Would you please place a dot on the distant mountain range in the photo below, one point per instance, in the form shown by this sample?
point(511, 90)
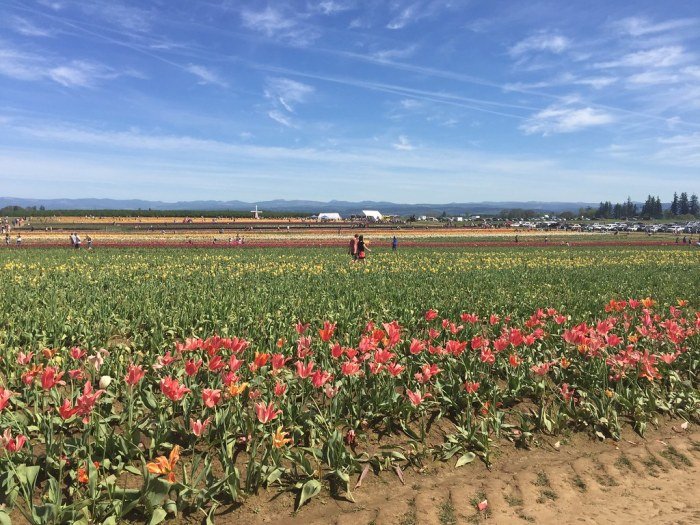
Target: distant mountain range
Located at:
point(299, 206)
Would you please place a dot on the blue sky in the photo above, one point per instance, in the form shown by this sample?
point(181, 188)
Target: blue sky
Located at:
point(406, 100)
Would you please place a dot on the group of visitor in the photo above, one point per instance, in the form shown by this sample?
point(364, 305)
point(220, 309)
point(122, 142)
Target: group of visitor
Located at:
point(358, 247)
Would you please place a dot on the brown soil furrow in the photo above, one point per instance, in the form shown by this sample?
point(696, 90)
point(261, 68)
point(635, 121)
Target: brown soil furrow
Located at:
point(585, 482)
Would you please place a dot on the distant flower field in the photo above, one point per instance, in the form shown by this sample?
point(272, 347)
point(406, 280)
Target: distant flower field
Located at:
point(142, 383)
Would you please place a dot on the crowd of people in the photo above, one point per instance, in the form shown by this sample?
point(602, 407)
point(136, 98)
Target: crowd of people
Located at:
point(76, 242)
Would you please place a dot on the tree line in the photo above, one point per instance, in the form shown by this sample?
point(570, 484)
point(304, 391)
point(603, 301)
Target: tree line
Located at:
point(652, 208)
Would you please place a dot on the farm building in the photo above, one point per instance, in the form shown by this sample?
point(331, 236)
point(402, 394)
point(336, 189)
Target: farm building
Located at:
point(372, 215)
point(329, 217)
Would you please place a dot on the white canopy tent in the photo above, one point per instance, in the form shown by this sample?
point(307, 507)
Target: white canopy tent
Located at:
point(329, 216)
point(373, 215)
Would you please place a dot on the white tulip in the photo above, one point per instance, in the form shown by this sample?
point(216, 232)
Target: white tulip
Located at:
point(105, 382)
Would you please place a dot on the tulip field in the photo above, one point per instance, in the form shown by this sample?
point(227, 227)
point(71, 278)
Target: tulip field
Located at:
point(146, 385)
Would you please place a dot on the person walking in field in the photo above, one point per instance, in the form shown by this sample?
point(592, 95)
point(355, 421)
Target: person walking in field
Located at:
point(362, 248)
point(394, 243)
point(353, 248)
point(18, 240)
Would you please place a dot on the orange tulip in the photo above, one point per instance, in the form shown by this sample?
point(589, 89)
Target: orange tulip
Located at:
point(83, 476)
point(278, 438)
point(165, 466)
point(236, 389)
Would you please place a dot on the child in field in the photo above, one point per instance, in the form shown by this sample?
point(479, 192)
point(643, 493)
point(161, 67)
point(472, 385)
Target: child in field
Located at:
point(362, 248)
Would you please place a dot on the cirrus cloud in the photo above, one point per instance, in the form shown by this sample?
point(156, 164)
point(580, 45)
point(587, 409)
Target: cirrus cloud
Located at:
point(565, 119)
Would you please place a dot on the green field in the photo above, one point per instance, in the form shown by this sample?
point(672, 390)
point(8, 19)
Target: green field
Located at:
point(142, 383)
point(151, 296)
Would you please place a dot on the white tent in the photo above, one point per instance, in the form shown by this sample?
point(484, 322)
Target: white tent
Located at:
point(328, 216)
point(373, 215)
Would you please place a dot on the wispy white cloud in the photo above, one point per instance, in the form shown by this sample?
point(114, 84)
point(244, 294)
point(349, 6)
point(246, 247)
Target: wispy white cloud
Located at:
point(269, 21)
point(331, 7)
point(155, 158)
point(683, 150)
point(288, 92)
point(206, 75)
point(541, 42)
point(396, 53)
point(410, 103)
point(664, 56)
point(22, 65)
point(565, 79)
point(285, 94)
point(640, 26)
point(406, 15)
point(565, 119)
point(653, 77)
point(281, 118)
point(56, 5)
point(80, 74)
point(274, 23)
point(119, 13)
point(26, 27)
point(403, 144)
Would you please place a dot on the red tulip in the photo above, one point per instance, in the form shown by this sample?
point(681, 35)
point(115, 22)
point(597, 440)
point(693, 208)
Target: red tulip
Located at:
point(304, 370)
point(173, 389)
point(134, 374)
point(487, 356)
point(192, 367)
point(66, 410)
point(51, 377)
point(211, 397)
point(198, 427)
point(350, 368)
point(280, 389)
point(395, 369)
point(416, 347)
point(471, 387)
point(416, 397)
point(469, 318)
point(327, 331)
point(76, 353)
point(12, 444)
point(24, 359)
point(278, 361)
point(266, 413)
point(320, 378)
point(5, 395)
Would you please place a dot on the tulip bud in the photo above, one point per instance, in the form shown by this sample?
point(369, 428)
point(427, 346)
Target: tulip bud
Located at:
point(105, 382)
point(350, 437)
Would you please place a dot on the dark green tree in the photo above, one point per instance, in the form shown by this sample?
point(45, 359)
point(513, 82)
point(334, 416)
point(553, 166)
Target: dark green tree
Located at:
point(674, 204)
point(683, 204)
point(694, 207)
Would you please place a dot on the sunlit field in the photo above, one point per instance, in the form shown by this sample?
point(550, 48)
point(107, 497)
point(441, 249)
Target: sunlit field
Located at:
point(141, 383)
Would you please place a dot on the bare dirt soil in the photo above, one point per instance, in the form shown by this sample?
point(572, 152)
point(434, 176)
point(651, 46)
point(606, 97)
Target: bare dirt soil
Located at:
point(655, 479)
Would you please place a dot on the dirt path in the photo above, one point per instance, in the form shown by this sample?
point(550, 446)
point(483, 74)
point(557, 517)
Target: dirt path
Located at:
point(653, 480)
